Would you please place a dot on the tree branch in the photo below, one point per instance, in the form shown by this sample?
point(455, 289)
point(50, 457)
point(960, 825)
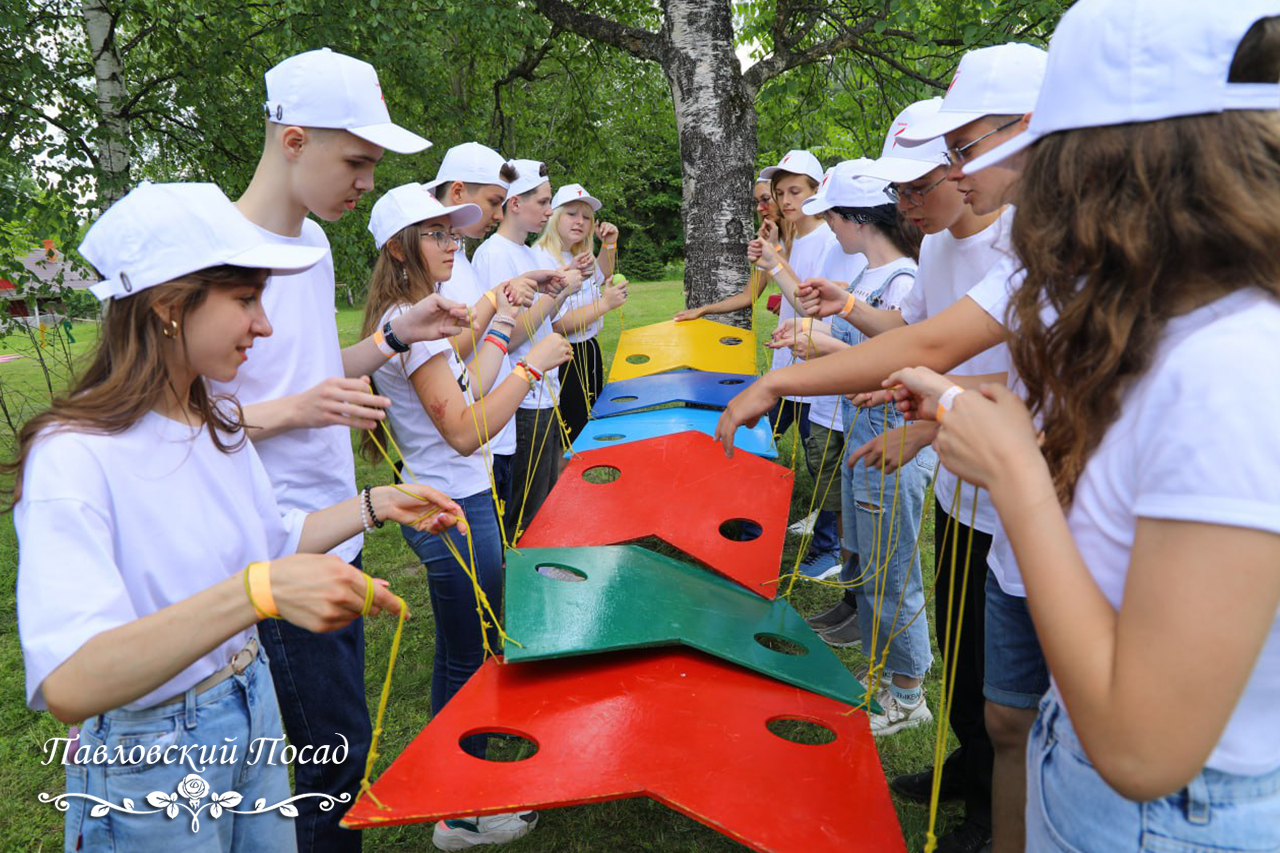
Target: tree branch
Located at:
point(784, 59)
point(635, 41)
point(523, 70)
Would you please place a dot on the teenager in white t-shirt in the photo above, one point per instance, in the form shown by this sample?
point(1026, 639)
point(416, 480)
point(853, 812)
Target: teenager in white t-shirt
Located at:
point(1119, 508)
point(327, 127)
point(472, 173)
point(569, 240)
point(505, 255)
point(150, 540)
point(796, 178)
point(435, 418)
point(766, 209)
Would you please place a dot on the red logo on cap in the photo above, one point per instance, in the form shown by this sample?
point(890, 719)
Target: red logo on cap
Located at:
point(380, 95)
point(825, 178)
point(579, 192)
point(899, 132)
point(785, 159)
point(953, 80)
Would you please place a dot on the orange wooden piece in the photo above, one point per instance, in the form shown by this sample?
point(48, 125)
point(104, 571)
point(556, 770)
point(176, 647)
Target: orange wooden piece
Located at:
point(673, 725)
point(682, 489)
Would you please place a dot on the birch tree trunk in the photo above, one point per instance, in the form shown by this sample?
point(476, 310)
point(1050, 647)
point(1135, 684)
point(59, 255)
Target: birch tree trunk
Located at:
point(112, 138)
point(716, 120)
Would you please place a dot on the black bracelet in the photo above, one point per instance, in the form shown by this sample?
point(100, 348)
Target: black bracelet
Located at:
point(392, 340)
point(368, 504)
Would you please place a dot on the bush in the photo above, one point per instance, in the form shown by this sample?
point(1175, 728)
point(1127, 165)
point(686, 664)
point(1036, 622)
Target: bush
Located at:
point(639, 259)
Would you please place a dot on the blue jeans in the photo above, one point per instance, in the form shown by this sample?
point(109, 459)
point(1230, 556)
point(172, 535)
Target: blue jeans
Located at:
point(459, 643)
point(784, 413)
point(1070, 808)
point(236, 712)
point(1016, 674)
point(320, 684)
point(885, 537)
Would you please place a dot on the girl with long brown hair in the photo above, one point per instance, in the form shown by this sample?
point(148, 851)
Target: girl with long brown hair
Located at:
point(1142, 502)
point(150, 540)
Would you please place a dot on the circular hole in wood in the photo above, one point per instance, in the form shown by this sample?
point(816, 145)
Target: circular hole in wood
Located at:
point(610, 436)
point(781, 645)
point(501, 745)
point(740, 530)
point(625, 398)
point(731, 340)
point(601, 474)
point(637, 358)
point(732, 381)
point(560, 573)
point(803, 732)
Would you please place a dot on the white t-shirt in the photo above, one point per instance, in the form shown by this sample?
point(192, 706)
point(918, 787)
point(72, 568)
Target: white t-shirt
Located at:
point(836, 266)
point(431, 458)
point(311, 469)
point(949, 268)
point(1160, 461)
point(112, 528)
point(590, 294)
point(807, 256)
point(499, 259)
point(464, 287)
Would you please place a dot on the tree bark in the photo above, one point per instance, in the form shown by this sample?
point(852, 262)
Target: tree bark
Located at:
point(716, 120)
point(112, 142)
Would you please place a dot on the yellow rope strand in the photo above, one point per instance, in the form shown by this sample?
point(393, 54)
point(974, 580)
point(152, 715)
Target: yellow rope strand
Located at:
point(372, 758)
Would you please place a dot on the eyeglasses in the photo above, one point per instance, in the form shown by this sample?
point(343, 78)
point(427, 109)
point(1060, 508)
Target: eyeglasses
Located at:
point(914, 197)
point(957, 156)
point(444, 239)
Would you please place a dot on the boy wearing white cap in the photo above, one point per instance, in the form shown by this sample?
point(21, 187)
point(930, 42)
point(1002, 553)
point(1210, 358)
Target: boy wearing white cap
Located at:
point(569, 239)
point(1155, 143)
point(327, 126)
point(503, 256)
point(152, 550)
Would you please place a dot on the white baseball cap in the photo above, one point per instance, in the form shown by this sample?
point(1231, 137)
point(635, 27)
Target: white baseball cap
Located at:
point(574, 192)
point(761, 179)
point(410, 203)
point(847, 184)
point(321, 88)
point(901, 164)
point(990, 81)
point(1113, 62)
point(471, 163)
point(529, 177)
point(160, 232)
point(799, 162)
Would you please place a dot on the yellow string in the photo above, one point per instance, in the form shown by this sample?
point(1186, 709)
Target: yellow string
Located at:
point(372, 758)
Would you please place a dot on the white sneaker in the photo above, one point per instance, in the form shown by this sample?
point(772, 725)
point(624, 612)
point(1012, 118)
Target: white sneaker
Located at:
point(898, 716)
point(465, 833)
point(804, 527)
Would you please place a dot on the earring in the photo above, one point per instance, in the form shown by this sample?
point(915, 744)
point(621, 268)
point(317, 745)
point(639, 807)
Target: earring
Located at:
point(404, 276)
point(171, 331)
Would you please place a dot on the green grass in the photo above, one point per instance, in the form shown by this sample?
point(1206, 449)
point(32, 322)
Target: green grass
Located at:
point(624, 826)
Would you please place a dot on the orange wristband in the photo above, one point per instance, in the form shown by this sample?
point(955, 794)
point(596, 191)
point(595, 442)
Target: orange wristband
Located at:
point(848, 306)
point(492, 297)
point(380, 340)
point(258, 579)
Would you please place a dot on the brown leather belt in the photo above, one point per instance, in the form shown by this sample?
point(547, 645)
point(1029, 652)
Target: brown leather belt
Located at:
point(236, 666)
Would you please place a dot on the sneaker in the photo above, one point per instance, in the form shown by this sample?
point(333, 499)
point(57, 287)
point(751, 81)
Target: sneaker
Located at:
point(820, 565)
point(898, 716)
point(465, 833)
point(886, 678)
point(831, 617)
point(846, 635)
point(804, 527)
point(918, 787)
point(968, 837)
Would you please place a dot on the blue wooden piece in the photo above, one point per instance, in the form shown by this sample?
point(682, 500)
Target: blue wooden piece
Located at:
point(692, 387)
point(604, 432)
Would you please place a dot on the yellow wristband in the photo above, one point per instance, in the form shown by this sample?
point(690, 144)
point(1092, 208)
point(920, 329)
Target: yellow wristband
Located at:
point(258, 581)
point(806, 324)
point(493, 299)
point(849, 305)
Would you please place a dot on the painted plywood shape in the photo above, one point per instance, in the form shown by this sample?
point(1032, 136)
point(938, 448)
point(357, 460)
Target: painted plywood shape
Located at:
point(698, 344)
point(674, 725)
point(682, 489)
point(641, 425)
point(577, 601)
point(692, 387)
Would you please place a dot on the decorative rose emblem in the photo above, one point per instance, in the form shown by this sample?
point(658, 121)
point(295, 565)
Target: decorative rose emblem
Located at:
point(193, 788)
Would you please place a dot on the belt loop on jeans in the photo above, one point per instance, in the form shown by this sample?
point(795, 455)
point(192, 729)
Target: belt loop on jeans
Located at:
point(189, 708)
point(1198, 806)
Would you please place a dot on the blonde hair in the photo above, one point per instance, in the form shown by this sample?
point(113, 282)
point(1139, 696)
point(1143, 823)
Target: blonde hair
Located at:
point(549, 240)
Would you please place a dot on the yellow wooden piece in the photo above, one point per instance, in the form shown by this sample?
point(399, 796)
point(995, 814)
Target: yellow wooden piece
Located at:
point(698, 344)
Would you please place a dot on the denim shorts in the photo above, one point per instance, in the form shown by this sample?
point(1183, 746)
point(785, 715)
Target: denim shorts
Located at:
point(1016, 674)
point(236, 711)
point(1071, 809)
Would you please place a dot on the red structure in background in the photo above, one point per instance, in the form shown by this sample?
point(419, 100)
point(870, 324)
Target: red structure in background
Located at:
point(673, 725)
point(730, 514)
